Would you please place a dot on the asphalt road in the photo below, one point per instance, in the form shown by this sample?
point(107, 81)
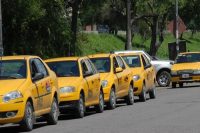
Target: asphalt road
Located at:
point(173, 111)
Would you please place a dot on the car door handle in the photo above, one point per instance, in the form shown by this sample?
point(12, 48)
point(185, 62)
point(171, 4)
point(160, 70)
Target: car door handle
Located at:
point(126, 78)
point(92, 82)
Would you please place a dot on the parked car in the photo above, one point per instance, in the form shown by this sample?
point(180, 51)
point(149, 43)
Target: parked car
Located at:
point(143, 75)
point(186, 69)
point(162, 67)
point(79, 84)
point(116, 78)
point(28, 89)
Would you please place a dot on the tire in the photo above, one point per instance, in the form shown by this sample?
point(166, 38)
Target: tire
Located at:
point(29, 118)
point(80, 111)
point(181, 85)
point(112, 100)
point(100, 106)
point(152, 93)
point(130, 97)
point(173, 85)
point(142, 96)
point(52, 117)
point(163, 79)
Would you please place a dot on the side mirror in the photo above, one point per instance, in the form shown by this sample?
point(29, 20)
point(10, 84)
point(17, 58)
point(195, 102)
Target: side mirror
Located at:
point(118, 69)
point(38, 76)
point(87, 73)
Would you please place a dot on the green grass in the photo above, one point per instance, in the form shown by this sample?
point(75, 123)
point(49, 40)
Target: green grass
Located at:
point(104, 43)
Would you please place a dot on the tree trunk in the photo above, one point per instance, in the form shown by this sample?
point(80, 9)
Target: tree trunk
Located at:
point(153, 47)
point(128, 45)
point(75, 9)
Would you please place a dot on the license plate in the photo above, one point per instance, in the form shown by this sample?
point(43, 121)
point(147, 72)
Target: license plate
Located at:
point(185, 76)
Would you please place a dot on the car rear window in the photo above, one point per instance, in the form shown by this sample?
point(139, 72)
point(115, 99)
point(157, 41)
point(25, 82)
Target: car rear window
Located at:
point(188, 58)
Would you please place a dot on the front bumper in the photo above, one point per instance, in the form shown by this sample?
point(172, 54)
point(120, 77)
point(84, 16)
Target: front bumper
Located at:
point(17, 106)
point(190, 79)
point(106, 91)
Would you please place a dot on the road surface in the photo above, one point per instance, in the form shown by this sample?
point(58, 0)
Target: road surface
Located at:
point(173, 111)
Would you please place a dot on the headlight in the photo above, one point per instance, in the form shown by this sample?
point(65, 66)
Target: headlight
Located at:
point(174, 73)
point(196, 72)
point(136, 77)
point(11, 96)
point(104, 83)
point(67, 89)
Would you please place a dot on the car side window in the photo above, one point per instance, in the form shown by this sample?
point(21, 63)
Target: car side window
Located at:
point(85, 67)
point(147, 61)
point(94, 70)
point(115, 63)
point(41, 68)
point(144, 62)
point(33, 68)
point(121, 63)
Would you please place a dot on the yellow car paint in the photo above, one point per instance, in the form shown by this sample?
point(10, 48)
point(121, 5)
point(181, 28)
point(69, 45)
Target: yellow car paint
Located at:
point(146, 75)
point(186, 68)
point(119, 81)
point(89, 86)
point(39, 92)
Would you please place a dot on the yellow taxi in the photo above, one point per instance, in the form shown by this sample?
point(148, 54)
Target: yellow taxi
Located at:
point(79, 84)
point(186, 69)
point(116, 78)
point(143, 74)
point(28, 89)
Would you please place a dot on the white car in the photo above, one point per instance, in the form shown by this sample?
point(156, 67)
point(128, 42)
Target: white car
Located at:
point(162, 67)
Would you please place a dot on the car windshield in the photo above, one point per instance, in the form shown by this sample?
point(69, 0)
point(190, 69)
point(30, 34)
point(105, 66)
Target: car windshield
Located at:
point(13, 69)
point(65, 68)
point(132, 60)
point(188, 58)
point(102, 64)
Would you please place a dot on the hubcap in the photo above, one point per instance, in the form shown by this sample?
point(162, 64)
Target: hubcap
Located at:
point(29, 116)
point(55, 110)
point(163, 79)
point(101, 101)
point(81, 106)
point(113, 99)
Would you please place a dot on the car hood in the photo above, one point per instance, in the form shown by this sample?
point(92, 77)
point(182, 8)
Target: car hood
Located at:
point(186, 66)
point(69, 81)
point(7, 86)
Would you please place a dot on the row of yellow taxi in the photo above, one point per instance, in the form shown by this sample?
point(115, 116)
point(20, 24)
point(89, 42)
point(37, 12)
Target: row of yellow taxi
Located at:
point(31, 87)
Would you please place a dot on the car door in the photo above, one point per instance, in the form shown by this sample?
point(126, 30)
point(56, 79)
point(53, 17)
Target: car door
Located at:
point(147, 73)
point(125, 75)
point(88, 76)
point(44, 84)
point(96, 80)
point(151, 72)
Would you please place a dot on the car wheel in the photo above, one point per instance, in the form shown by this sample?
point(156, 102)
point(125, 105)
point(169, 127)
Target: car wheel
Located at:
point(100, 106)
point(130, 97)
point(152, 93)
point(173, 85)
point(81, 107)
point(52, 117)
point(29, 118)
point(142, 96)
point(181, 85)
point(163, 78)
point(112, 100)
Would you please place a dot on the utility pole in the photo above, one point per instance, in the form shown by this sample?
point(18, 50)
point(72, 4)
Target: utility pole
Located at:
point(177, 32)
point(128, 45)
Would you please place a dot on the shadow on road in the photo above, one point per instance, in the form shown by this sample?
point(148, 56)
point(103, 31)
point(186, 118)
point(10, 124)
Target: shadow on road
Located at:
point(185, 86)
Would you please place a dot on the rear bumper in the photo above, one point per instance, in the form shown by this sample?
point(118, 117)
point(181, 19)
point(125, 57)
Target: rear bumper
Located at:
point(138, 87)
